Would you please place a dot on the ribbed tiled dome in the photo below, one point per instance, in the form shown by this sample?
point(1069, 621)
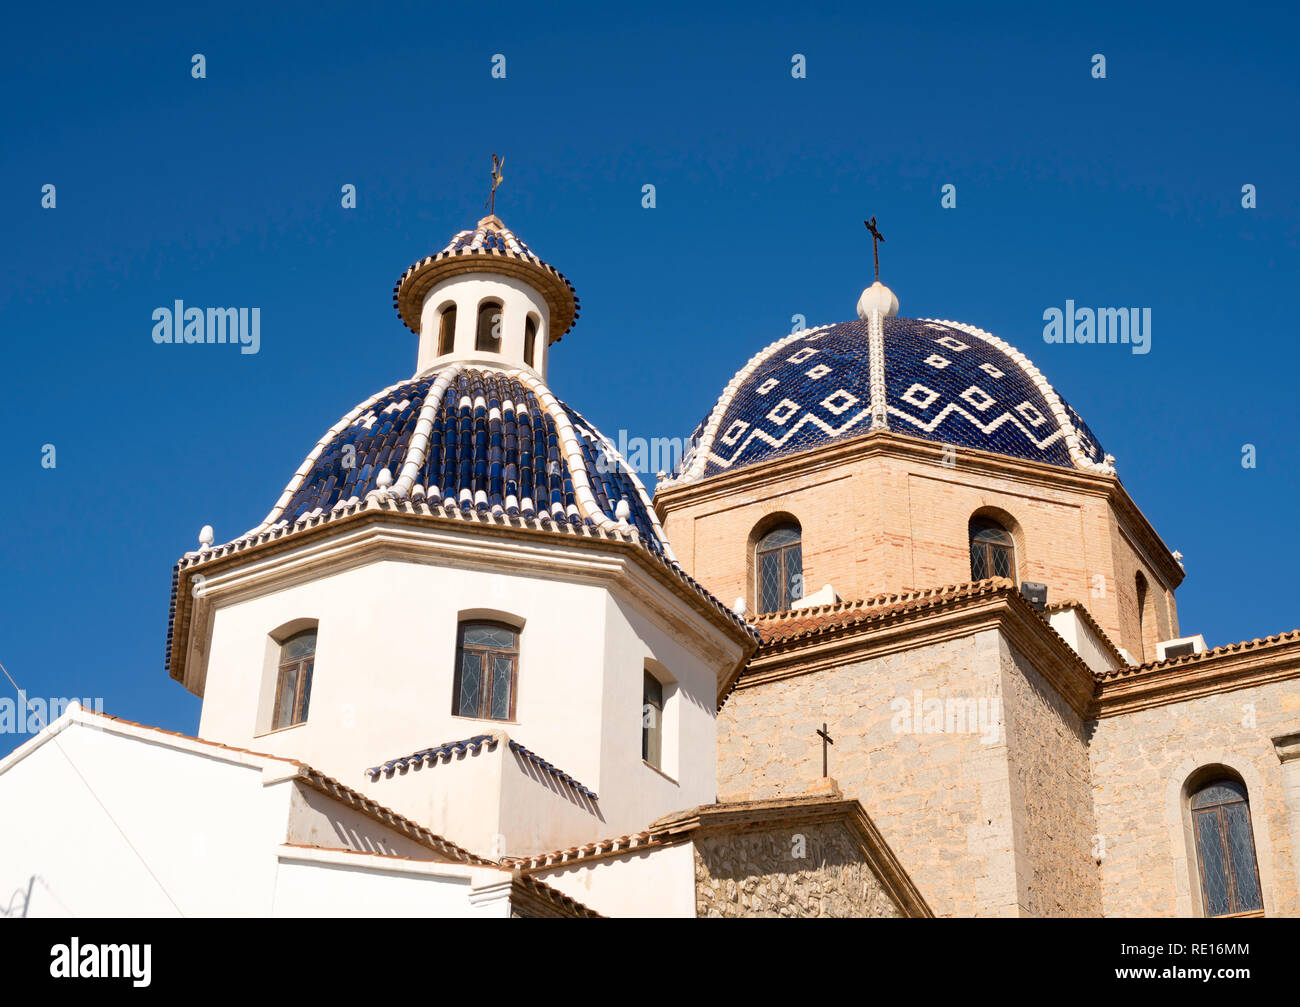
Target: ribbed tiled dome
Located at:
point(942, 381)
point(476, 439)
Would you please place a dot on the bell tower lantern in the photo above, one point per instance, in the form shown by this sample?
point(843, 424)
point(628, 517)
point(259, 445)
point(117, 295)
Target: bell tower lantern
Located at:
point(486, 298)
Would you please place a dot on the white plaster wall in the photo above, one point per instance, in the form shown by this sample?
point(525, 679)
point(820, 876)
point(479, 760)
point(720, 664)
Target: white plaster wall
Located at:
point(382, 689)
point(385, 655)
point(654, 883)
point(459, 798)
point(689, 775)
point(468, 291)
point(316, 884)
point(318, 820)
point(1082, 640)
point(206, 828)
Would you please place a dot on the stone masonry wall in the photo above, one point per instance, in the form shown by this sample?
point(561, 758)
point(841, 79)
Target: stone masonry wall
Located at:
point(1140, 764)
point(940, 798)
point(1051, 796)
point(758, 874)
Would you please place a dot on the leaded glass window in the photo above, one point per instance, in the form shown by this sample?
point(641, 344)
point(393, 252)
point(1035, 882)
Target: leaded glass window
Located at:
point(488, 335)
point(530, 339)
point(1225, 849)
point(293, 680)
point(487, 663)
point(447, 331)
point(992, 553)
point(652, 720)
point(778, 562)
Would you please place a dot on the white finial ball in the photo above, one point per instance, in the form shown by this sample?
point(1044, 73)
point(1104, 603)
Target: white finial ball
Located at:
point(877, 297)
point(739, 607)
point(622, 511)
point(384, 479)
point(206, 536)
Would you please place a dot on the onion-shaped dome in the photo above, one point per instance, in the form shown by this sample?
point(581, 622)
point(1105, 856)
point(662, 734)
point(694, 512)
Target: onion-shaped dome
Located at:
point(476, 439)
point(489, 247)
point(942, 381)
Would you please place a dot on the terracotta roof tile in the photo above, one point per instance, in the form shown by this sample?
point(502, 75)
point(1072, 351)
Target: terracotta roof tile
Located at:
point(782, 627)
point(588, 851)
point(1292, 636)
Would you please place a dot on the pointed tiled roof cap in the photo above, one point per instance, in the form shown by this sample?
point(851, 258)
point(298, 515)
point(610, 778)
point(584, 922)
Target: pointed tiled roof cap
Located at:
point(490, 247)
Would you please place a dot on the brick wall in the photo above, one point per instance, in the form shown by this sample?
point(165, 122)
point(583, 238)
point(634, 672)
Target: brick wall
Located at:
point(883, 522)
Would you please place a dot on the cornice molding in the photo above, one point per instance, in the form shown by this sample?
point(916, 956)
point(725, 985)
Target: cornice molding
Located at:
point(779, 472)
point(1224, 669)
point(374, 534)
point(935, 619)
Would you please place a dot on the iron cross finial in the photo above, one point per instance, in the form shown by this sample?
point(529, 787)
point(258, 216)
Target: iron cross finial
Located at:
point(826, 740)
point(497, 164)
point(876, 239)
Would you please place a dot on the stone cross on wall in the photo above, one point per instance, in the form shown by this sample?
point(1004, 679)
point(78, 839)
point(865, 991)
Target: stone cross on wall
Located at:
point(826, 740)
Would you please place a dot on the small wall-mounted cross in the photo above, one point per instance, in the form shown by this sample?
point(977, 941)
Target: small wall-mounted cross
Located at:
point(876, 239)
point(826, 740)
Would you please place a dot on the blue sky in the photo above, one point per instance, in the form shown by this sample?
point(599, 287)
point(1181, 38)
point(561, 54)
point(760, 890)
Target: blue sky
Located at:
point(226, 191)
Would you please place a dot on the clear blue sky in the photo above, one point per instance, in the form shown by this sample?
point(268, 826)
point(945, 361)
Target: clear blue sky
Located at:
point(225, 191)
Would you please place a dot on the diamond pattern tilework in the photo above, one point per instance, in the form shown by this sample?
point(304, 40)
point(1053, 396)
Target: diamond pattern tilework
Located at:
point(976, 407)
point(941, 383)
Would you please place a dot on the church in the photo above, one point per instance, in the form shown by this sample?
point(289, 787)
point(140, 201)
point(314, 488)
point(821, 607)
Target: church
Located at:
point(892, 640)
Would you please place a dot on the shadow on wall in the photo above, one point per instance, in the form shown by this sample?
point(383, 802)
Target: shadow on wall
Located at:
point(556, 786)
point(14, 910)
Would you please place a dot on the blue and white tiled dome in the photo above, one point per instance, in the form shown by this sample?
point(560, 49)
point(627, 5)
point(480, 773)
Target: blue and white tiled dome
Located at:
point(942, 381)
point(492, 246)
point(476, 439)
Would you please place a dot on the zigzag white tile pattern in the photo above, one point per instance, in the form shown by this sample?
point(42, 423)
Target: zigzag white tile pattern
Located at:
point(940, 380)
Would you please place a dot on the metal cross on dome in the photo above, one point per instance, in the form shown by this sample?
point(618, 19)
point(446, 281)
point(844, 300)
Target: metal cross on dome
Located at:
point(497, 164)
point(876, 238)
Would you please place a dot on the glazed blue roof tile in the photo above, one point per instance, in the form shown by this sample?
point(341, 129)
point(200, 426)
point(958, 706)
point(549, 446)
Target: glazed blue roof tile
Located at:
point(492, 446)
point(448, 750)
point(432, 756)
point(942, 382)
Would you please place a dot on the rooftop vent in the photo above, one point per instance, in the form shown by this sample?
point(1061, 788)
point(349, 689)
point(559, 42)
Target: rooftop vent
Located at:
point(1035, 594)
point(1184, 646)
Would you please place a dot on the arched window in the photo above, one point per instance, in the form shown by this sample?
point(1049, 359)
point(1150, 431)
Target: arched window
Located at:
point(1225, 849)
point(293, 680)
point(1142, 611)
point(992, 552)
point(778, 562)
point(652, 719)
point(488, 334)
point(447, 330)
point(487, 665)
point(530, 339)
